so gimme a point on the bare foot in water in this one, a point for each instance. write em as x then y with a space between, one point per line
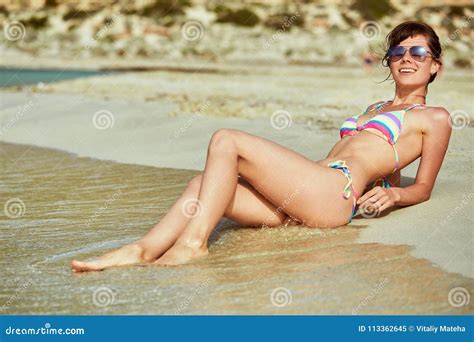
181 253
127 255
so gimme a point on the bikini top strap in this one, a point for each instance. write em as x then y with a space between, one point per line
377 106
413 106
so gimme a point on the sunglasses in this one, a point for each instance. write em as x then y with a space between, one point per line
418 53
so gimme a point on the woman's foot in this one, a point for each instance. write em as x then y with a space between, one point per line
127 255
181 253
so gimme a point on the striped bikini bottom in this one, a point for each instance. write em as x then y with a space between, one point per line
347 192
349 188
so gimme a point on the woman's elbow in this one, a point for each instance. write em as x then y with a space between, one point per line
426 196
425 192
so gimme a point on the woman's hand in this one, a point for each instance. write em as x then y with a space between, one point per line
376 200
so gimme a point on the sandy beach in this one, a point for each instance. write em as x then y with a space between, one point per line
106 113
130 141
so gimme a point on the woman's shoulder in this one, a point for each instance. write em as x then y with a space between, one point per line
437 116
434 113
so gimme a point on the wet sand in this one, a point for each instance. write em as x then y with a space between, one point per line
75 207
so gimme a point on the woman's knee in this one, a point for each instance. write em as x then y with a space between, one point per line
223 138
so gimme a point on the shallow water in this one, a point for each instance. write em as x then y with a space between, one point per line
58 207
22 76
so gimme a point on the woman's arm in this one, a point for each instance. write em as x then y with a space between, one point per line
436 133
394 179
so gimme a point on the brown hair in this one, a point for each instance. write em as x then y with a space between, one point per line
410 29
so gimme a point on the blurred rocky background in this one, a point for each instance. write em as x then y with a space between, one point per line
293 32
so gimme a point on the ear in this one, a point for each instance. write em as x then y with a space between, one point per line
435 66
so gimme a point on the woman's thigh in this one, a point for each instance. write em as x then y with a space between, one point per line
249 207
292 182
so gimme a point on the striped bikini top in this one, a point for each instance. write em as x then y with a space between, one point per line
386 125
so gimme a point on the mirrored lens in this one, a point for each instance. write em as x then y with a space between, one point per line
418 53
396 53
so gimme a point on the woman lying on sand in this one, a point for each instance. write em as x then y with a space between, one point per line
249 179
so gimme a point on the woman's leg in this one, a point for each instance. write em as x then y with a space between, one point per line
248 207
155 242
306 190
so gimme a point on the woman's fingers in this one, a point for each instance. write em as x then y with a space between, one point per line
383 207
377 205
368 194
375 201
376 196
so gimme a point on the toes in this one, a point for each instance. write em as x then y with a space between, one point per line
164 261
160 262
82 266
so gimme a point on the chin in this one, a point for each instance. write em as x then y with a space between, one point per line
410 81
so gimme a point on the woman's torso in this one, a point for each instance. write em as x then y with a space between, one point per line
369 156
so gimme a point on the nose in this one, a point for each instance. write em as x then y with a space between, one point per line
407 57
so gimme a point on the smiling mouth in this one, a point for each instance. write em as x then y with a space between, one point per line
406 70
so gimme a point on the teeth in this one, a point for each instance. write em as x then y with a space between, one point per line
407 70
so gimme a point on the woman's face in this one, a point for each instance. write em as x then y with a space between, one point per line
408 72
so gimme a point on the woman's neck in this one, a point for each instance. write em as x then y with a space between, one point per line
409 96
